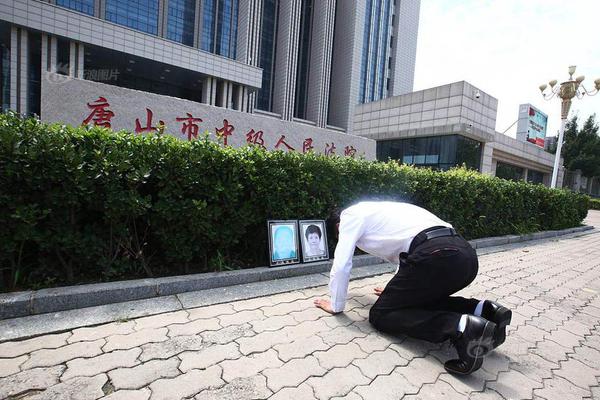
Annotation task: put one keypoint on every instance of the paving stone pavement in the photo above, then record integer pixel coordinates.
(281, 347)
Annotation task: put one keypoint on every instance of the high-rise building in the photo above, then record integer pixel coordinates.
(305, 61)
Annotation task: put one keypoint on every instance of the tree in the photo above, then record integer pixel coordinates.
(581, 147)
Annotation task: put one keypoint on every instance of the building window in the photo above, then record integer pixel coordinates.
(377, 38)
(34, 80)
(509, 172)
(63, 56)
(468, 152)
(365, 54)
(268, 34)
(437, 152)
(534, 176)
(384, 48)
(303, 59)
(182, 15)
(208, 26)
(137, 14)
(125, 70)
(83, 6)
(219, 27)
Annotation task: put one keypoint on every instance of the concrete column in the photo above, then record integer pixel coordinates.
(229, 94)
(163, 17)
(213, 92)
(488, 166)
(240, 98)
(197, 23)
(525, 174)
(251, 101)
(80, 60)
(207, 91)
(320, 61)
(249, 29)
(72, 58)
(53, 54)
(100, 9)
(249, 26)
(244, 99)
(14, 68)
(287, 58)
(44, 52)
(222, 94)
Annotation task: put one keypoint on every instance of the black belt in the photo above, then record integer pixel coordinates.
(427, 234)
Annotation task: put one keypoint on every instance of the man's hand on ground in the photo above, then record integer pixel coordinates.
(378, 291)
(324, 305)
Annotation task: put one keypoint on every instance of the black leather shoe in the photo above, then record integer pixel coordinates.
(499, 315)
(472, 345)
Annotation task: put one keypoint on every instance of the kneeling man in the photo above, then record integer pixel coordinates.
(433, 263)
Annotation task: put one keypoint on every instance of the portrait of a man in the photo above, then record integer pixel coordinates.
(283, 240)
(314, 240)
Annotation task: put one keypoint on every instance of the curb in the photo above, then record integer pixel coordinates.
(21, 304)
(509, 239)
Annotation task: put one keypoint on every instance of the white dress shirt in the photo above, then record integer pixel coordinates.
(383, 229)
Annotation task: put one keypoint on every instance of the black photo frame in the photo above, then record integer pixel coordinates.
(313, 250)
(283, 242)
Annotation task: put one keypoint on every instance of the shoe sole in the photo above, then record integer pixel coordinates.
(502, 318)
(482, 347)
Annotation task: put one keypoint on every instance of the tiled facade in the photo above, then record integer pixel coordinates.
(455, 109)
(348, 72)
(216, 47)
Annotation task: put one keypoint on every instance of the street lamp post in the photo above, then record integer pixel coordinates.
(566, 91)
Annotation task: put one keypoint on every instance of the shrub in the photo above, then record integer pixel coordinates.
(85, 205)
(594, 204)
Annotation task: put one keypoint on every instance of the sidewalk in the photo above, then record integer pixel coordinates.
(282, 347)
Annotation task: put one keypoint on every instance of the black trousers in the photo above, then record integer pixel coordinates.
(417, 301)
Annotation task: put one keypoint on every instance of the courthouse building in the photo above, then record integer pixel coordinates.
(285, 74)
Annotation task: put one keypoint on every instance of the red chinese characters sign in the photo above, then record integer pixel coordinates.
(224, 132)
(101, 114)
(189, 125)
(148, 128)
(256, 138)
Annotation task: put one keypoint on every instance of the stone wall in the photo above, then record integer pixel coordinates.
(73, 101)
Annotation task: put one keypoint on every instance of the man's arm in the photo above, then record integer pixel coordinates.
(350, 230)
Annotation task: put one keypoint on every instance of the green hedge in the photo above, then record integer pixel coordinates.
(80, 205)
(594, 204)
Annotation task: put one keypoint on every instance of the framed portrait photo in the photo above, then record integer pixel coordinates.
(283, 242)
(313, 237)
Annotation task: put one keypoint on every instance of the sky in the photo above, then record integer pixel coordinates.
(508, 48)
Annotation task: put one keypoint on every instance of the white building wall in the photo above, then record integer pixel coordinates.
(346, 66)
(404, 50)
(446, 105)
(248, 46)
(320, 61)
(286, 60)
